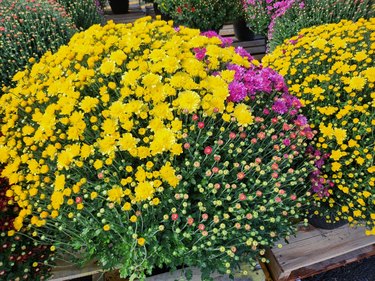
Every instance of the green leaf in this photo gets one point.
(188, 274)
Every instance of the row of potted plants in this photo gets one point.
(275, 19)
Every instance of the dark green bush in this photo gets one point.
(85, 13)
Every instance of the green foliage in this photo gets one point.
(316, 12)
(29, 29)
(205, 15)
(85, 13)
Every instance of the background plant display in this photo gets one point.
(204, 15)
(103, 4)
(146, 145)
(27, 30)
(294, 15)
(84, 13)
(21, 258)
(260, 13)
(331, 69)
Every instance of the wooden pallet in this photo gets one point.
(315, 251)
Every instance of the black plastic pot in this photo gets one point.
(241, 31)
(320, 222)
(119, 6)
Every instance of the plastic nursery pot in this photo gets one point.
(119, 6)
(241, 31)
(321, 222)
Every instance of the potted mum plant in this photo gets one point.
(204, 15)
(164, 148)
(290, 19)
(334, 78)
(259, 13)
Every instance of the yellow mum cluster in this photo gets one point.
(331, 69)
(101, 119)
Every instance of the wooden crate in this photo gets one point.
(314, 251)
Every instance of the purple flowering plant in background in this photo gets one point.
(261, 14)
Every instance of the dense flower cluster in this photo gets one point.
(204, 15)
(84, 13)
(331, 69)
(21, 258)
(295, 15)
(27, 30)
(147, 145)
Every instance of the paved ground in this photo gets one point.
(359, 271)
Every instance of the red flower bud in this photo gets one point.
(215, 170)
(190, 221)
(208, 150)
(240, 175)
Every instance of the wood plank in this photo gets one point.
(255, 50)
(313, 246)
(254, 43)
(306, 248)
(258, 56)
(333, 263)
(67, 271)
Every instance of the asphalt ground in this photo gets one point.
(363, 270)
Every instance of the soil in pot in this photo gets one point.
(321, 222)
